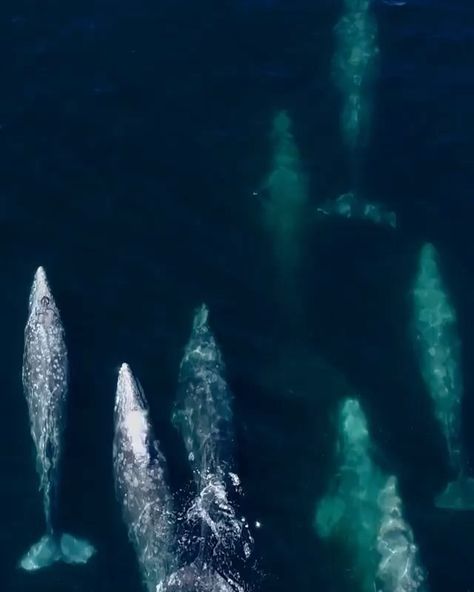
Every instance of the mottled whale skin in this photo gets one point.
(213, 541)
(399, 568)
(203, 410)
(141, 484)
(285, 214)
(439, 353)
(204, 416)
(286, 183)
(45, 383)
(192, 578)
(353, 68)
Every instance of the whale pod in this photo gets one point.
(203, 409)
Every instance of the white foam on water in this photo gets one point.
(399, 569)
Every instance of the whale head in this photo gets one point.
(132, 411)
(354, 430)
(129, 394)
(42, 306)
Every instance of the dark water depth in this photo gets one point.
(132, 138)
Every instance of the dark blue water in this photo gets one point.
(132, 136)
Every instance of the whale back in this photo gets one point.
(191, 578)
(141, 482)
(203, 411)
(45, 382)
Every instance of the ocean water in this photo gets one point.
(133, 138)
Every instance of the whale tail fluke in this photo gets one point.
(75, 550)
(458, 495)
(43, 553)
(51, 548)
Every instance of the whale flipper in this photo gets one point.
(458, 495)
(49, 549)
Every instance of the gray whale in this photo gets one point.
(45, 383)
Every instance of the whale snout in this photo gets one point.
(41, 297)
(126, 385)
(41, 282)
(129, 394)
(125, 374)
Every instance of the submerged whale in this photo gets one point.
(438, 346)
(287, 196)
(141, 484)
(45, 383)
(353, 67)
(194, 578)
(363, 511)
(285, 216)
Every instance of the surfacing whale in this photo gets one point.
(45, 383)
(203, 415)
(202, 547)
(141, 484)
(203, 409)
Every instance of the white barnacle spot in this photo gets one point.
(235, 479)
(136, 428)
